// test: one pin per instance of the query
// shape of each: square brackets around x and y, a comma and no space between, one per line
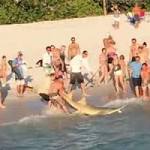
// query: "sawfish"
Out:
[83,107]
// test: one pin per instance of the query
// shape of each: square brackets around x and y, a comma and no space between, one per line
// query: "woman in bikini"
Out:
[118,75]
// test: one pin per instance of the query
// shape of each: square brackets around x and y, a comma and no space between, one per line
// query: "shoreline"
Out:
[32,39]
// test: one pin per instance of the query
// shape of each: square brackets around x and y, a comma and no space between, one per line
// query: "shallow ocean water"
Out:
[129,130]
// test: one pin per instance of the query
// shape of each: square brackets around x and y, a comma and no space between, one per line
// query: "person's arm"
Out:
[62,64]
[69,52]
[78,50]
[129,70]
[142,77]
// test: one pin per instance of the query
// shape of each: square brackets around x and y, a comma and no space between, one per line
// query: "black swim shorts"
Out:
[136,81]
[110,60]
[76,77]
[18,75]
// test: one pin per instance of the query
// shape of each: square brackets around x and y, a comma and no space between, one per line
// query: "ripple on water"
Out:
[126,131]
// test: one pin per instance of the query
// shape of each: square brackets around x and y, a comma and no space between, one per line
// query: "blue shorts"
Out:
[137,81]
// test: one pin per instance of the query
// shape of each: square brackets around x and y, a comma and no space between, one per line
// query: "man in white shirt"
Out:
[76,76]
[86,70]
[47,61]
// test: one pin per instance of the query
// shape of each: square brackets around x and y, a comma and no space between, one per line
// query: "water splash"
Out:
[121,102]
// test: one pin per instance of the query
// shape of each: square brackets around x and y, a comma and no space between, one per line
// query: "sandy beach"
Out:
[89,32]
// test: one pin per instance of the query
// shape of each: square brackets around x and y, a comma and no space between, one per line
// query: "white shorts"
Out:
[118,73]
[117,19]
[20,82]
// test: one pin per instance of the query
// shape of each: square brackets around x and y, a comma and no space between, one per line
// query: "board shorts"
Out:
[136,81]
[110,60]
[76,77]
[18,75]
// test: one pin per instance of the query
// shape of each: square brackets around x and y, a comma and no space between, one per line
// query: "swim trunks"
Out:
[136,81]
[76,77]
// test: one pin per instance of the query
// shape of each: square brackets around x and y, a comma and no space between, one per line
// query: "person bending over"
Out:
[56,91]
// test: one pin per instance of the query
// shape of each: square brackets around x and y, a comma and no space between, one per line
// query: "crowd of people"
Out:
[72,65]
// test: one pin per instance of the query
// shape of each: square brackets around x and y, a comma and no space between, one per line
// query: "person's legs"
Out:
[83,89]
[72,82]
[110,70]
[121,79]
[116,78]
[137,84]
[18,87]
[102,74]
[1,101]
[137,91]
[62,104]
[144,88]
[22,87]
[106,74]
[80,81]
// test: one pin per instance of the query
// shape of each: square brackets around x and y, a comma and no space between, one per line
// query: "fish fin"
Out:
[119,111]
[82,101]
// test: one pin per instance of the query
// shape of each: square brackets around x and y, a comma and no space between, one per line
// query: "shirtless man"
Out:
[103,62]
[145,75]
[56,91]
[133,48]
[73,48]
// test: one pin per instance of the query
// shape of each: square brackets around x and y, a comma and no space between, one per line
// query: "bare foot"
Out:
[2,106]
